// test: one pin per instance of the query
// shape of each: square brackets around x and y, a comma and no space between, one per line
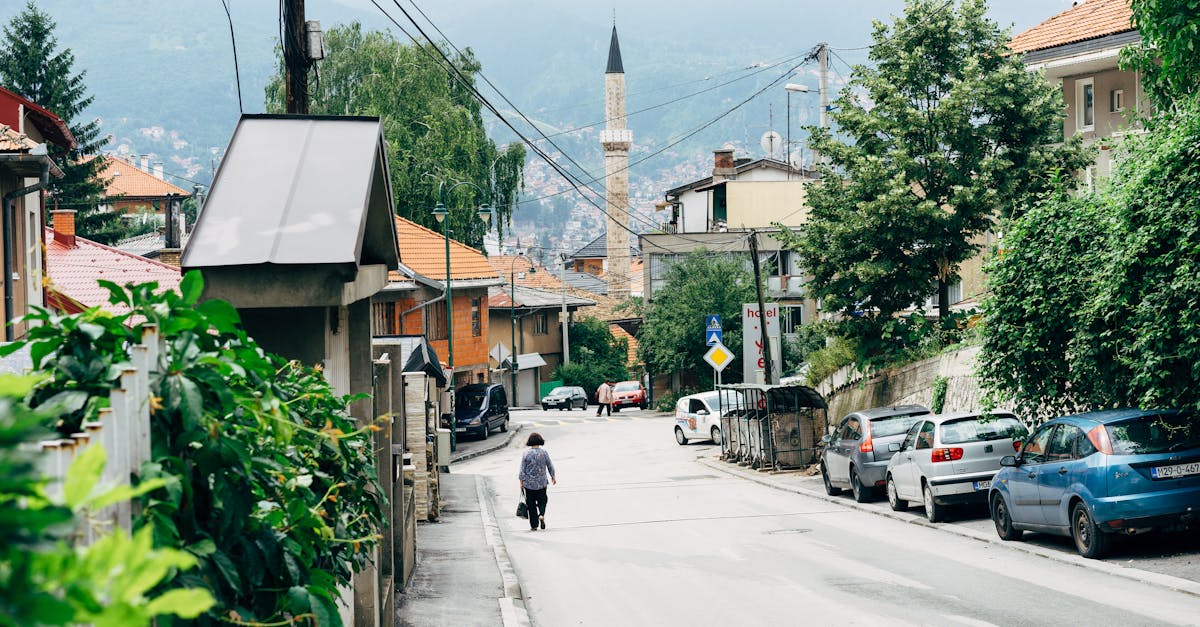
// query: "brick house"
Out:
[26,130]
[413,301]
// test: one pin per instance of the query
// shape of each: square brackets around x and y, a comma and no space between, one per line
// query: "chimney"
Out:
[172,219]
[158,169]
[64,227]
[723,167]
[170,256]
[145,163]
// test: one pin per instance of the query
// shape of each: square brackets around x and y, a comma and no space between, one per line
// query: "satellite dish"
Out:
[796,159]
[771,142]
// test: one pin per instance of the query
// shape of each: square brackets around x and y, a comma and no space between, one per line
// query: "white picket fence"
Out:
[122,428]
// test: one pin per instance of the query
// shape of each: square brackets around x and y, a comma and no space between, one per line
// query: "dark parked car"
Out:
[856,453]
[628,394]
[479,408]
[565,397]
[1093,475]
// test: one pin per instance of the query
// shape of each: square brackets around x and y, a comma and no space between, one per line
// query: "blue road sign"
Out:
[713,336]
[712,322]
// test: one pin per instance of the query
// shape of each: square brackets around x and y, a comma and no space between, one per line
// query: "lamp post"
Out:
[787,154]
[441,213]
[512,318]
[562,257]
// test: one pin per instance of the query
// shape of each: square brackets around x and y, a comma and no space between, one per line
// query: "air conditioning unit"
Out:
[443,448]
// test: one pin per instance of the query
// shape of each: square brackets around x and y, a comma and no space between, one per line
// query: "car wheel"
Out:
[829,489]
[1003,519]
[1089,540]
[897,504]
[642,406]
[680,438]
[615,409]
[861,493]
[485,430]
[933,511]
[504,426]
[545,407]
[715,432]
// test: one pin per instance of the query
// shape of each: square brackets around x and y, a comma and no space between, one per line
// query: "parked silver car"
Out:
[856,454]
[565,397]
[951,458]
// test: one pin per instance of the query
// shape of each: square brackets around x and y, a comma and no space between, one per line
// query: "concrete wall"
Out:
[759,204]
[845,391]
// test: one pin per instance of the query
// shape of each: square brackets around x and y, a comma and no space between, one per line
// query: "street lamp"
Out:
[791,87]
[440,213]
[512,317]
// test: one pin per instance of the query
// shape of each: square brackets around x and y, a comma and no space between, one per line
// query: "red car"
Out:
[628,394]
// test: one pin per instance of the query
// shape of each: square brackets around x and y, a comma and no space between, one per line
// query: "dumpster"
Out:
[772,427]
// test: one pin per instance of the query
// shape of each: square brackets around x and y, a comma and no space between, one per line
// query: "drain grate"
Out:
[779,532]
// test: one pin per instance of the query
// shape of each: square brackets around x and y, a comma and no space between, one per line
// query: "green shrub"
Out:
[826,361]
[938,399]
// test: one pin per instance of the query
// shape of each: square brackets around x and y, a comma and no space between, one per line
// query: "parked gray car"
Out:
[565,397]
[951,458]
[856,454]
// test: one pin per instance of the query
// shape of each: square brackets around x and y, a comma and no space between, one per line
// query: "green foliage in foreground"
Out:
[1094,297]
[43,579]
[1168,54]
[266,479]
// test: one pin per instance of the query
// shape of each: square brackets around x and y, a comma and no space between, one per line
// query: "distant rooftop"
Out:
[1091,19]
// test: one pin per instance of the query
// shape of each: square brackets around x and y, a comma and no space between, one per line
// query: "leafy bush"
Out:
[826,361]
[46,581]
[938,398]
[666,402]
[270,483]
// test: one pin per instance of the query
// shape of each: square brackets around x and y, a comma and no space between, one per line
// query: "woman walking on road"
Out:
[535,466]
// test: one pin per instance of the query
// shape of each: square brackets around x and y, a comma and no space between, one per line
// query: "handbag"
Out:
[522,508]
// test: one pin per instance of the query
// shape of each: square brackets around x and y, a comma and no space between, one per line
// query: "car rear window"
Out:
[629,386]
[982,428]
[560,391]
[893,425]
[1160,433]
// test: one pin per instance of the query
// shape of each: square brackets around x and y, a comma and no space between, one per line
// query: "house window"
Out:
[476,318]
[383,319]
[790,319]
[720,206]
[541,324]
[1116,100]
[1085,104]
[953,293]
[435,321]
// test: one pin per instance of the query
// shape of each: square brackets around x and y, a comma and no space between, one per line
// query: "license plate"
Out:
[983,485]
[1178,470]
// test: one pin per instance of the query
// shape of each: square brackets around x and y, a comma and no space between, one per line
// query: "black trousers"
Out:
[535,500]
[604,407]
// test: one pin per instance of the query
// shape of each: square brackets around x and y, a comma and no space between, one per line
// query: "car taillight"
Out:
[1099,439]
[866,446]
[947,454]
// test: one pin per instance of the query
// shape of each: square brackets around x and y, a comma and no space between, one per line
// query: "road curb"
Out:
[494,443]
[1176,584]
[512,604]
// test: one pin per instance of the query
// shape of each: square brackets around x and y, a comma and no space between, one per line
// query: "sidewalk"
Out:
[463,574]
[1164,566]
[474,447]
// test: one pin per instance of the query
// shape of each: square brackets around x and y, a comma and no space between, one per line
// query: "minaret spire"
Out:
[616,140]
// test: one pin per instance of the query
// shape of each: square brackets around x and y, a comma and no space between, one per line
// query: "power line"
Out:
[236,74]
[897,33]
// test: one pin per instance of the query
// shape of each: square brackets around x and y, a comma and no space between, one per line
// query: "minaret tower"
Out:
[616,140]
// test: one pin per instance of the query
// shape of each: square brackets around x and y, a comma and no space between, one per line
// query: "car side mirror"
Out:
[894,447]
[1009,460]
[702,412]
[826,439]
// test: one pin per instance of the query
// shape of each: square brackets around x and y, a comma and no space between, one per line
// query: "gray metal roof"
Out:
[585,281]
[533,298]
[299,190]
[614,55]
[598,249]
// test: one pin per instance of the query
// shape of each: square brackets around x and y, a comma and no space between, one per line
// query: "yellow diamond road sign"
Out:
[718,357]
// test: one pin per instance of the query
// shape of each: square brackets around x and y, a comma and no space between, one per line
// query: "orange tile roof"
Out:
[12,141]
[74,271]
[424,251]
[635,276]
[124,179]
[1087,20]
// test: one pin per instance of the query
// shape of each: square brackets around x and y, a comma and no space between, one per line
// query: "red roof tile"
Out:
[125,179]
[424,251]
[74,271]
[1087,20]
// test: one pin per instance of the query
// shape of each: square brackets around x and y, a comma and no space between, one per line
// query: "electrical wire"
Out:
[897,33]
[232,38]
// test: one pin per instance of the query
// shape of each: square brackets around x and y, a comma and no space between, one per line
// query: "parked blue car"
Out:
[1095,475]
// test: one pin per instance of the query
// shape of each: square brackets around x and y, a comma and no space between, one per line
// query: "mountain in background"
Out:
[162,73]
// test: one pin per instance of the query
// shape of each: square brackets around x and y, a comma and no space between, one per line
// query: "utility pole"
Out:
[295,57]
[823,87]
[768,366]
[562,257]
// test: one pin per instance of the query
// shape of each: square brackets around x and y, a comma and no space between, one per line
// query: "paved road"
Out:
[640,533]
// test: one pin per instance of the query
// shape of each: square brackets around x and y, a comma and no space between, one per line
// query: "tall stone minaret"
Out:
[616,140]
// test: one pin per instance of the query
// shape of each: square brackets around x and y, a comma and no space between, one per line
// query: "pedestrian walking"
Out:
[604,398]
[535,467]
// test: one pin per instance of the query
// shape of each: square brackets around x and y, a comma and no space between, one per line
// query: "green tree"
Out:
[433,125]
[1093,301]
[596,356]
[942,134]
[32,65]
[1168,56]
[702,283]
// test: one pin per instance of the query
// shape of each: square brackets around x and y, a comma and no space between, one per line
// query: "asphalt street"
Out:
[640,532]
